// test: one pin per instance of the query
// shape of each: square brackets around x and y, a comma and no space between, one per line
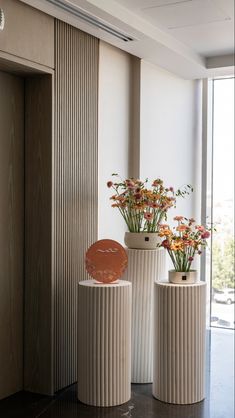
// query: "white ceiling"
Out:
[192,38]
[206,26]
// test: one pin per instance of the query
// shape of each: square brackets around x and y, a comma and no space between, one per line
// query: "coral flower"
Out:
[181,228]
[154,205]
[178,218]
[148,216]
[191,220]
[157,182]
[109,184]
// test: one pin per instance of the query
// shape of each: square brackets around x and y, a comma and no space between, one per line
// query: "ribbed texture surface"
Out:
[75,182]
[179,342]
[144,268]
[104,349]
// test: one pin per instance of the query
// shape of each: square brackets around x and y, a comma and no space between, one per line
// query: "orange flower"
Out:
[167,232]
[161,234]
[177,246]
[164,226]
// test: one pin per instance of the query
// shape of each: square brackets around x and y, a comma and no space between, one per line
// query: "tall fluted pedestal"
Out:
[144,268]
[179,342]
[104,343]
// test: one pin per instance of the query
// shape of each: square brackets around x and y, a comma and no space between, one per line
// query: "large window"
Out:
[222,251]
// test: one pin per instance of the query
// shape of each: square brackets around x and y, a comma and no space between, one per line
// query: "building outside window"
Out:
[222,204]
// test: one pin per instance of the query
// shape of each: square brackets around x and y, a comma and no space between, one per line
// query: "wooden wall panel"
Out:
[75,184]
[11,233]
[28,33]
[38,337]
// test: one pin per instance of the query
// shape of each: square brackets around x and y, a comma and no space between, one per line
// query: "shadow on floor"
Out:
[219,402]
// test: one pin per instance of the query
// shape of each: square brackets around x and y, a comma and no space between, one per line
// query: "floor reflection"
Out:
[219,401]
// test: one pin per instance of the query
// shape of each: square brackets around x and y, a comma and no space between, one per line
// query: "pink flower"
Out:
[190,259]
[130,184]
[137,196]
[205,235]
[200,228]
[171,189]
[109,184]
[165,243]
[148,216]
[199,252]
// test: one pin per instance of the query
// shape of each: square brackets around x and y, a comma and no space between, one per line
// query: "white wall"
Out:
[114,133]
[170,138]
[170,133]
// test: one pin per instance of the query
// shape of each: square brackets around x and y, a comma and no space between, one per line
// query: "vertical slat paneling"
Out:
[179,342]
[75,184]
[144,268]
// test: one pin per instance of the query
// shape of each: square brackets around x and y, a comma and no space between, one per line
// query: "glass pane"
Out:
[223,297]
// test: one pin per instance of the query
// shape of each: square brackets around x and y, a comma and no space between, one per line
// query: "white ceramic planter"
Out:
[182,277]
[142,240]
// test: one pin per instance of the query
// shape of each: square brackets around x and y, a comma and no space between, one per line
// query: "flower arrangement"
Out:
[143,209]
[183,241]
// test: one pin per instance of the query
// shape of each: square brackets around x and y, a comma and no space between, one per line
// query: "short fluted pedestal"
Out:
[179,342]
[144,268]
[104,343]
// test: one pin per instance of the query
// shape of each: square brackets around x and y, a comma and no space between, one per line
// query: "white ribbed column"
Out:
[144,267]
[104,343]
[179,342]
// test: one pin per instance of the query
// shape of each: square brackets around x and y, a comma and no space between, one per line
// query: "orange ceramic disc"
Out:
[106,260]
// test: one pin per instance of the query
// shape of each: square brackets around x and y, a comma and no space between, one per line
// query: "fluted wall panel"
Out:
[144,268]
[75,180]
[179,342]
[104,349]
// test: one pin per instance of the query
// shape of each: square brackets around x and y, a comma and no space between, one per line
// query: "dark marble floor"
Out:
[219,402]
